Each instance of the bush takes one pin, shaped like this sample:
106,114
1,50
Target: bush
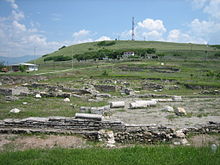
106,43
58,58
160,55
105,73
151,50
45,55
217,54
22,68
2,64
62,47
133,57
215,46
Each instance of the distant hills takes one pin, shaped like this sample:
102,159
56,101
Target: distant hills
15,60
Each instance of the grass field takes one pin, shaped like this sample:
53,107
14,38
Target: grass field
152,155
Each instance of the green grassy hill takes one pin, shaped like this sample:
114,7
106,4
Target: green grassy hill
165,47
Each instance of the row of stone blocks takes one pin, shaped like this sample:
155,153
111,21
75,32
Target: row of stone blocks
90,126
62,123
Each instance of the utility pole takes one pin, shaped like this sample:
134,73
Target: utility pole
35,54
132,29
72,56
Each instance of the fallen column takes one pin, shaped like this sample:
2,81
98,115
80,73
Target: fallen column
117,104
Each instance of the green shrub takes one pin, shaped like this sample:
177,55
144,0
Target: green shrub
160,55
105,73
22,68
151,50
217,54
58,58
106,43
62,47
2,65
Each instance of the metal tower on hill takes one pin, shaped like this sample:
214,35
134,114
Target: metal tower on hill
132,29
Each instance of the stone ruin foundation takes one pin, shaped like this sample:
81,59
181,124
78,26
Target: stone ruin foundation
94,127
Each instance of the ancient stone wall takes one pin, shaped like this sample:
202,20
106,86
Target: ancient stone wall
90,128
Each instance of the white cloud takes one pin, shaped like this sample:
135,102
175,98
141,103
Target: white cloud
208,29
198,3
177,35
81,33
18,26
213,8
17,39
152,25
210,7
103,38
17,15
56,17
13,4
148,29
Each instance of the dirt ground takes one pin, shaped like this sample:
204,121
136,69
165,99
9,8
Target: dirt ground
12,142
199,111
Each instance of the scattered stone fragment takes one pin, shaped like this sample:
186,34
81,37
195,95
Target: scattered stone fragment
142,104
128,91
168,109
88,116
15,110
38,96
177,98
107,136
180,134
105,88
180,111
117,104
163,100
105,95
24,103
66,100
184,141
100,110
95,110
85,109
11,98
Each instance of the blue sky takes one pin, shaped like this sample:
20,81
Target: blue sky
46,25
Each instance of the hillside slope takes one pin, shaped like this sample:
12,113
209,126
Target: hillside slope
160,46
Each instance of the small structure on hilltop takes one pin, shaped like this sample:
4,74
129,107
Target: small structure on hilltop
24,67
128,54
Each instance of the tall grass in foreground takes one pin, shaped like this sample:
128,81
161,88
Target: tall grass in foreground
158,155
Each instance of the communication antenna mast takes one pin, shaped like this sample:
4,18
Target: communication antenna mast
132,29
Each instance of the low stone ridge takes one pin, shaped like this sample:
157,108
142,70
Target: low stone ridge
105,88
12,80
90,128
14,91
151,86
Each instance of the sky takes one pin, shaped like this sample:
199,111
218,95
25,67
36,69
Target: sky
38,27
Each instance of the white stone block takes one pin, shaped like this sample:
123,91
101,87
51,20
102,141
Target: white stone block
117,104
